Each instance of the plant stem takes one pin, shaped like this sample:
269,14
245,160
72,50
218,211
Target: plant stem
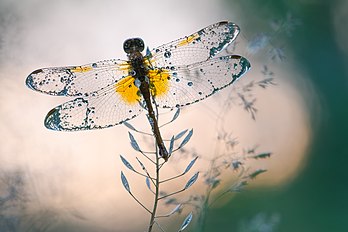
157,182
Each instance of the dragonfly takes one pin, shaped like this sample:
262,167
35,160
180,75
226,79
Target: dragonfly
173,75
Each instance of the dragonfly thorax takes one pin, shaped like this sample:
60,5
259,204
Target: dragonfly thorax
133,47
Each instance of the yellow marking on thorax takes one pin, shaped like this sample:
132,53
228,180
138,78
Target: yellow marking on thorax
81,69
188,39
128,91
159,85
159,81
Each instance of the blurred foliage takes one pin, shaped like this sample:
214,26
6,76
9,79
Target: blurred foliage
317,199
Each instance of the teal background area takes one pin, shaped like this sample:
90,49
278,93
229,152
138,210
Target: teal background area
316,200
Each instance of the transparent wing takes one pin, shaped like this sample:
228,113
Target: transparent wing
77,80
192,83
104,108
197,47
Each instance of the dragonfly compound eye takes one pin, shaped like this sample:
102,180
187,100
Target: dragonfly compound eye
133,45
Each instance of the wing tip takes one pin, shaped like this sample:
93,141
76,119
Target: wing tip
243,61
30,79
229,24
52,120
245,65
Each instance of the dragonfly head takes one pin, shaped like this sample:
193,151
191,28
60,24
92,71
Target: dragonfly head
133,45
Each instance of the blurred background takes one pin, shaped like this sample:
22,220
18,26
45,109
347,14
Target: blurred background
56,181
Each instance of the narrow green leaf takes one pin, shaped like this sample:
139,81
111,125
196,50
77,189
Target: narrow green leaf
192,180
148,183
186,222
126,163
176,209
256,173
190,164
178,136
125,182
262,155
176,115
186,139
130,126
134,142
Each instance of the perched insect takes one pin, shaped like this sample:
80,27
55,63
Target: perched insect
110,92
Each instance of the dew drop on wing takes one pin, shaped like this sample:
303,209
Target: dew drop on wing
167,54
190,83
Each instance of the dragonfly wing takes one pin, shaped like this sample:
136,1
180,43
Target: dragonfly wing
104,108
197,47
195,82
77,80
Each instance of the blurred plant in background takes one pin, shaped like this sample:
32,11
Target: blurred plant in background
260,223
12,200
21,208
273,41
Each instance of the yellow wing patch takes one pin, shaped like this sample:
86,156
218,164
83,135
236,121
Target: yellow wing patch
128,91
188,39
159,81
81,69
159,85
124,66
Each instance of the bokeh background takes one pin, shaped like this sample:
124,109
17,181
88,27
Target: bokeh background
52,181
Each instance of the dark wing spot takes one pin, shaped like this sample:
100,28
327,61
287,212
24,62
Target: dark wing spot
37,71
